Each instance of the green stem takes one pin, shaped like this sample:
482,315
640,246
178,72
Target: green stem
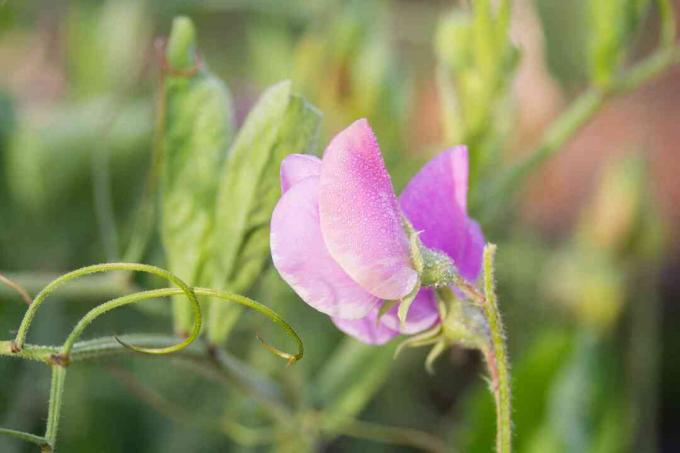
576,116
497,357
54,410
28,437
86,350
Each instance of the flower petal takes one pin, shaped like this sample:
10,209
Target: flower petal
367,329
360,217
435,203
422,314
296,167
300,255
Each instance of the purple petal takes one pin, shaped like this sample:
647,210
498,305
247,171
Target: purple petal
360,217
435,203
422,314
296,167
367,329
300,255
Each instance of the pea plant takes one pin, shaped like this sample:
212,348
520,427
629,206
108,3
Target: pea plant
392,272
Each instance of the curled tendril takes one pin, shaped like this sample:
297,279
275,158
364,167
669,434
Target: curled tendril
266,311
182,288
167,292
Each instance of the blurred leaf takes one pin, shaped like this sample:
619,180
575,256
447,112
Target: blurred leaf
351,376
48,159
281,123
476,65
107,45
197,132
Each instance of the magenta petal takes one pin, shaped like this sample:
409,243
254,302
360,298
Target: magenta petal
300,255
296,167
360,217
422,314
367,329
435,203
474,251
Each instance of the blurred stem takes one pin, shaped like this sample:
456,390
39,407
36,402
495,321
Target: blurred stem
144,222
11,284
244,435
387,434
496,357
105,286
644,362
54,410
576,116
101,192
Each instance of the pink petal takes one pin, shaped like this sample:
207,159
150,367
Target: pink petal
422,314
367,329
296,167
360,217
300,255
435,203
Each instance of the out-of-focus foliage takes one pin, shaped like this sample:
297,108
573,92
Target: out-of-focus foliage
477,61
78,108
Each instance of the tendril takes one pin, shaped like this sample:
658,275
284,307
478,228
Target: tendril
266,311
182,288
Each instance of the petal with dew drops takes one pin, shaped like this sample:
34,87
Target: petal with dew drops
296,167
360,217
367,329
422,314
300,255
434,201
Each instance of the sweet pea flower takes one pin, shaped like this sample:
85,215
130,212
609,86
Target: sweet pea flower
339,233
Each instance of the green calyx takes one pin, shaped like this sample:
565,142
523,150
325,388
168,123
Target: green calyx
438,269
434,268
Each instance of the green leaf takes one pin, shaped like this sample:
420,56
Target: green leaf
352,376
197,131
281,123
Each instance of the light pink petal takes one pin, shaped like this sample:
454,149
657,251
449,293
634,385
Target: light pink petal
296,167
360,217
422,314
300,255
435,203
367,329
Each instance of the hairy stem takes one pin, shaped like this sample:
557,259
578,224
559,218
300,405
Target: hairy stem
496,357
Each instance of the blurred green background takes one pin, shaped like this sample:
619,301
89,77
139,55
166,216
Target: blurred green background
587,264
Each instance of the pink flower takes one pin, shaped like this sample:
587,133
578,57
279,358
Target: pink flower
338,236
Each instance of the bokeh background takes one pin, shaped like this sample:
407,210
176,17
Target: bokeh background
587,264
